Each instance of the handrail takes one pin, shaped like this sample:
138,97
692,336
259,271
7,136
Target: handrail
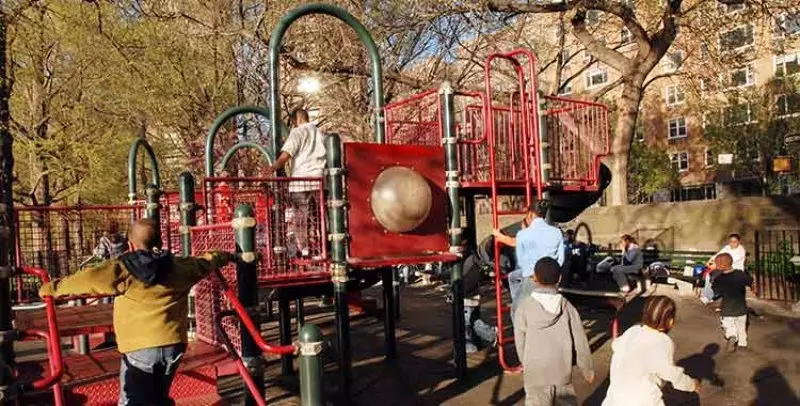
226,342
248,322
53,343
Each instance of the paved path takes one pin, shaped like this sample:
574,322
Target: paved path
768,373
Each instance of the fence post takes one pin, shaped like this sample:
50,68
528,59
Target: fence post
759,265
244,226
450,140
153,208
188,209
311,345
339,276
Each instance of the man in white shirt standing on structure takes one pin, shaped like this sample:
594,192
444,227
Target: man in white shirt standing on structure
305,149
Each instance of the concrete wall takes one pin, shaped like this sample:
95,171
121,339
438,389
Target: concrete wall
687,226
700,225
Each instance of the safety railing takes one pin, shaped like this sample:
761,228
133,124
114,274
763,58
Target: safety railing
577,136
53,342
290,230
415,120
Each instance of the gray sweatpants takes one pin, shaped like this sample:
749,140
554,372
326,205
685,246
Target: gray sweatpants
736,327
550,396
619,273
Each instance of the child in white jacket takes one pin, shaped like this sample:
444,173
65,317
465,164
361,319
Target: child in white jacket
643,359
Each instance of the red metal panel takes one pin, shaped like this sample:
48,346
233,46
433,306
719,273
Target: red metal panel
209,293
368,239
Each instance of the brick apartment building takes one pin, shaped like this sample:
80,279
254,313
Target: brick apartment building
754,53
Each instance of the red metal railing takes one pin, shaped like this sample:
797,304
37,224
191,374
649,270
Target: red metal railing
577,135
53,340
528,135
290,225
415,120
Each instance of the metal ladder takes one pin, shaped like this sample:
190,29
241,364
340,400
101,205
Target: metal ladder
528,134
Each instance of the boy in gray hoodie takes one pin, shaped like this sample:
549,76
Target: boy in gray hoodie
547,332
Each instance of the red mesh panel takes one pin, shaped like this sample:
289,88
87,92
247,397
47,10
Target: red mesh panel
577,132
60,239
414,121
209,298
290,232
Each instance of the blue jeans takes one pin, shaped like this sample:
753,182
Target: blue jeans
146,375
519,286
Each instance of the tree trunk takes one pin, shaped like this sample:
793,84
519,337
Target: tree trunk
627,112
6,180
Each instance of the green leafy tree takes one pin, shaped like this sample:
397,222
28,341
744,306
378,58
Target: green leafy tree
649,172
753,125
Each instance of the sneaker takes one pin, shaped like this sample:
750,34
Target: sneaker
730,345
471,348
704,300
625,289
495,341
325,302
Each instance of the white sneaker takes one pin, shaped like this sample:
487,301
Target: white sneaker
704,300
625,289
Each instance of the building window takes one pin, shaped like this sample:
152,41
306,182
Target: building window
787,24
680,161
672,61
788,104
786,65
703,51
675,96
596,76
738,114
698,192
731,8
625,36
565,89
677,128
743,77
710,158
592,17
737,38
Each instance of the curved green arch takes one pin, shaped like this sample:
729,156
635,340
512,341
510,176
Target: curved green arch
245,144
274,58
222,119
155,174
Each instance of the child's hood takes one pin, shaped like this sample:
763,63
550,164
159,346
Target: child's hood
552,306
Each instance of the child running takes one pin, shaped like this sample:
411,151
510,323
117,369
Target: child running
548,333
643,359
731,285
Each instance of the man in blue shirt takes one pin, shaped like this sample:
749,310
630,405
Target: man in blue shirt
532,243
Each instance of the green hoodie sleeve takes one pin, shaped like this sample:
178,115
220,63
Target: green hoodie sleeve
107,279
197,268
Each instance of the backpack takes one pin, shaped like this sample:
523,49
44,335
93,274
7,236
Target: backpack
658,272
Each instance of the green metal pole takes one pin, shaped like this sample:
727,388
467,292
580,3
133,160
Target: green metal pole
155,176
274,58
244,226
242,145
338,237
222,119
188,210
153,208
311,372
452,185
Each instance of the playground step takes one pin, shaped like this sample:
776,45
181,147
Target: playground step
93,379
